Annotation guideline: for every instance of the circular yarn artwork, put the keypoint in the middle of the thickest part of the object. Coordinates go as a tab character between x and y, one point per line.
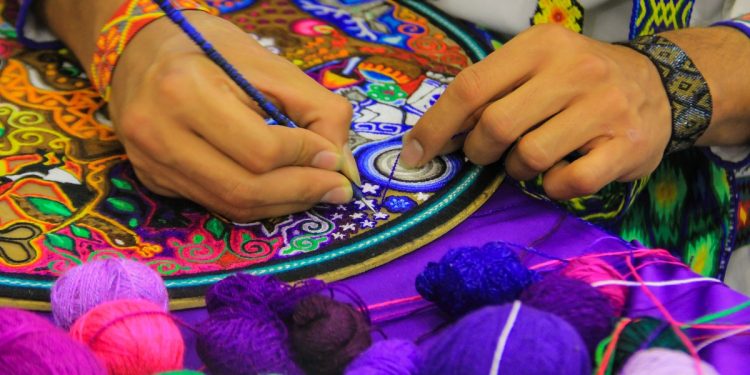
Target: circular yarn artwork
69	195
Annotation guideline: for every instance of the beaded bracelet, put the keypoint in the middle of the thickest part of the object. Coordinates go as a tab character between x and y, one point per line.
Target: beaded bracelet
127	21
686	89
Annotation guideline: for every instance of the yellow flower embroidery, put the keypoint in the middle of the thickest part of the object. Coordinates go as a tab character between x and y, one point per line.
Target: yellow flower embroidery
567	13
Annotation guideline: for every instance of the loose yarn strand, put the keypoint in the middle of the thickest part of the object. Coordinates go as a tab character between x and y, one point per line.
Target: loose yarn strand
503	339
607	359
675	326
723	336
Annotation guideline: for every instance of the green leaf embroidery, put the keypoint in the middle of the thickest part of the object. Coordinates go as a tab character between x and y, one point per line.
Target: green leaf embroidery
121	184
215	227
80	231
61	241
49	207
121	205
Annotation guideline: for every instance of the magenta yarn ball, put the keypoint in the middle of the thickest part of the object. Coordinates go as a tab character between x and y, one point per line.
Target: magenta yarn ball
592	270
661	361
85	286
30	344
131	337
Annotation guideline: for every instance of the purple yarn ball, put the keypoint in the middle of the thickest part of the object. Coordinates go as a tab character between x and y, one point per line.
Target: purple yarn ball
242	289
585	308
538	343
469	278
30	344
90	284
247	341
387	357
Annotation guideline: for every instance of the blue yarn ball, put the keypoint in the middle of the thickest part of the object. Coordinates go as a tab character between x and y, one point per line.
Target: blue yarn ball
387	357
469	278
538	343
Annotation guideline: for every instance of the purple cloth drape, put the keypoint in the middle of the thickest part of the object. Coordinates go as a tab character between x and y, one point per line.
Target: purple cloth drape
513	217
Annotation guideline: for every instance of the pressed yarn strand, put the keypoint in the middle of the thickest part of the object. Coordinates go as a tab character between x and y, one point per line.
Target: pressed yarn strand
503	339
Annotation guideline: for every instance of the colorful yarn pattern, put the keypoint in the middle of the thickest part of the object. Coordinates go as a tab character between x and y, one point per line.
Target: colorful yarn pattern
69	196
127	21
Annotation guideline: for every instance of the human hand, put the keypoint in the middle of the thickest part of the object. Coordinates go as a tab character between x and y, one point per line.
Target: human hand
190	132
550	92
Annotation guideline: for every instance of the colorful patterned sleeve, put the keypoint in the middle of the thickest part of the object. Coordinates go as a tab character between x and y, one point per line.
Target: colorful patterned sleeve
30	31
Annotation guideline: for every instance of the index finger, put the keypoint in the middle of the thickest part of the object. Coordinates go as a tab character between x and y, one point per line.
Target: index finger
472	89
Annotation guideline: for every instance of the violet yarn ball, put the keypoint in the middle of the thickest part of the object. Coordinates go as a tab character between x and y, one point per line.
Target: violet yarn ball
592	270
242	289
30	344
530	342
247	341
469	278
388	357
326	335
580	304
90	284
131	337
660	361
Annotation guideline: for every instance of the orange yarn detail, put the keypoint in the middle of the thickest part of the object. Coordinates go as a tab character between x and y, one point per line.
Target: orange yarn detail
127	21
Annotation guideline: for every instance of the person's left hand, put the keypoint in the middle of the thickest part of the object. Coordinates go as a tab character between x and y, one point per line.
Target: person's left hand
553	92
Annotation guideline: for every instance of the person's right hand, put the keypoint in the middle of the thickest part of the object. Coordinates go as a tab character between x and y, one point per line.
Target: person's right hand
190	132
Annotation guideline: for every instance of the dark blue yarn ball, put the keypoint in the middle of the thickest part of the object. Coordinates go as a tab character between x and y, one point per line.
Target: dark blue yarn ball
469	278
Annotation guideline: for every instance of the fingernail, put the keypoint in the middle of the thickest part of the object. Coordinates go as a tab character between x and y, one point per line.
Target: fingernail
350	168
327	160
411	154
339	195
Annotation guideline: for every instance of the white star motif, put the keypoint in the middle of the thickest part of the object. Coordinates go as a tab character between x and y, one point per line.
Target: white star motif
349	227
337	216
341	207
422	196
357	215
338	236
380	215
368	224
370	188
364	203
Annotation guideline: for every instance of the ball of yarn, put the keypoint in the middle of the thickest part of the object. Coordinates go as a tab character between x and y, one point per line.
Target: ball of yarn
660	361
240	289
247	341
30	344
387	357
468	278
83	287
593	269
534	343
327	334
644	333
131	337
181	372
580	304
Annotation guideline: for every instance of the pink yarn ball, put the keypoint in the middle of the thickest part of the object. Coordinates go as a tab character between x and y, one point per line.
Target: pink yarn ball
592	270
85	286
30	344
660	361
131	337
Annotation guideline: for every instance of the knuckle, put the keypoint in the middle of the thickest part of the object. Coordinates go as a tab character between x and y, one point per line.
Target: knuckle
172	84
593	66
583	182
496	124
533	154
466	86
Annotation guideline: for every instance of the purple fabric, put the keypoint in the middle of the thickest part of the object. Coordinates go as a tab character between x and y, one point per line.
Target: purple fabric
513	217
